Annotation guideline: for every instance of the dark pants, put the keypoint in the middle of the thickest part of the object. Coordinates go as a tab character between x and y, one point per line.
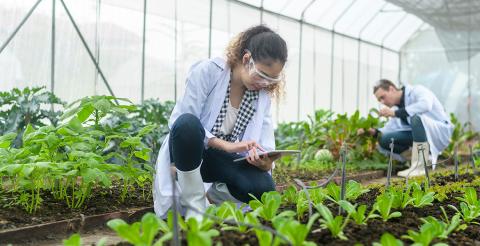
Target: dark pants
404	139
187	151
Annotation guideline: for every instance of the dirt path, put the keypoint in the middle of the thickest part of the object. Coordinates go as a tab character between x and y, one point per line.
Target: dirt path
90	238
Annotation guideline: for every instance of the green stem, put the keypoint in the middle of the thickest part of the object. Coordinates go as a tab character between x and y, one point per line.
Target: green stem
73	193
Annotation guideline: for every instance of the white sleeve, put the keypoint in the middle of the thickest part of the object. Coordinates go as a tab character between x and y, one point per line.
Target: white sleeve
267	137
423	101
198	86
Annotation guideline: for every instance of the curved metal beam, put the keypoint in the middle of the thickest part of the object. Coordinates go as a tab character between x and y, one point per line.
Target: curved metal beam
306	23
88	50
19	26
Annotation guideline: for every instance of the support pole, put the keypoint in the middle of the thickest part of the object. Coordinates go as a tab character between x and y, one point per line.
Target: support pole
142	96
88	49
333	51
19	26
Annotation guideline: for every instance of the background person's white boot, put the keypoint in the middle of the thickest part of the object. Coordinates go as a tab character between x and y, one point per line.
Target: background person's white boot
418	162
193	192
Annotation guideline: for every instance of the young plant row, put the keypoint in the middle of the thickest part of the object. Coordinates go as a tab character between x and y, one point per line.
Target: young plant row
72	158
296	228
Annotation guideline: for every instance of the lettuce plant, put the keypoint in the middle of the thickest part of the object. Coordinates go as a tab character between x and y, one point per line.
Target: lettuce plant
358	214
267	207
334	224
353	190
388	239
384	207
420	197
469	206
142	233
293	230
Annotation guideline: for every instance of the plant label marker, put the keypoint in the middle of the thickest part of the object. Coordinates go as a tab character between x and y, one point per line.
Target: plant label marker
421	148
343	181
455	161
390	163
300	147
176	234
472	160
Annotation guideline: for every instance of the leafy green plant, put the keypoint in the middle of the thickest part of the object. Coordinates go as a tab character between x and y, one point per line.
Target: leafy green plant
328	131
461	133
149	112
430	229
268	206
21	108
141	233
229	210
469	206
302	204
384	205
441	228
293	230
289	195
421	198
358	214
388	239
334	224
353	190
401	198
200	232
73	240
433	228
68	160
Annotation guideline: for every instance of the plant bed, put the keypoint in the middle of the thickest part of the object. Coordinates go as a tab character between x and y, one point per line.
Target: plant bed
60	229
309	178
12	214
408	212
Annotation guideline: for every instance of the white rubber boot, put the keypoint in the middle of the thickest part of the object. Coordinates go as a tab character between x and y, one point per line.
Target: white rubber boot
193	193
418	162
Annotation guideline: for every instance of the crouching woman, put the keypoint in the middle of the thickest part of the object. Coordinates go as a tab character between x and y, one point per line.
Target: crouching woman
223	115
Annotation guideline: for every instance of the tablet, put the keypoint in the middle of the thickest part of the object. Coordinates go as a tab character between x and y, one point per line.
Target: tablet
272	153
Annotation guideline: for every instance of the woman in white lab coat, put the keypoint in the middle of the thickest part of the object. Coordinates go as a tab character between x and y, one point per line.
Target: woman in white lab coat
417	119
224	114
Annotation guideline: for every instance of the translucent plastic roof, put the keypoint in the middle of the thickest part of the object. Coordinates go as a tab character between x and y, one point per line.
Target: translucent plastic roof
455	23
375	21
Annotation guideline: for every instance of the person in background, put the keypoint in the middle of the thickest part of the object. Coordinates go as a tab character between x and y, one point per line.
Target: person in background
416	119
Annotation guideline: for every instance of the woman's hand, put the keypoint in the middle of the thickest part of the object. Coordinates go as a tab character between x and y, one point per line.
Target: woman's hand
240	147
265	162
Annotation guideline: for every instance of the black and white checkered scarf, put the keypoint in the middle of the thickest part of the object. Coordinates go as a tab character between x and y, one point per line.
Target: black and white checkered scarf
245	114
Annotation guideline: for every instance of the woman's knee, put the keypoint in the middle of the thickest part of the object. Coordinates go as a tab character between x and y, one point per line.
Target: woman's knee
189	126
259	186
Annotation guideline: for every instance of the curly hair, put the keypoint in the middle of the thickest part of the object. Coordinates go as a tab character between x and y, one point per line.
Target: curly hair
264	44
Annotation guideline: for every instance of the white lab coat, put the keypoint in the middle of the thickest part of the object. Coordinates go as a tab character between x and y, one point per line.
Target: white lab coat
205	91
422	102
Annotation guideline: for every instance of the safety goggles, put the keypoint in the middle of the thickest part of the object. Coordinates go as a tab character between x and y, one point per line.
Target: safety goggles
265	78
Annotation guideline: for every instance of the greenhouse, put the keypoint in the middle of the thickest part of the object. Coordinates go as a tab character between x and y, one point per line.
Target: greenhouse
239	122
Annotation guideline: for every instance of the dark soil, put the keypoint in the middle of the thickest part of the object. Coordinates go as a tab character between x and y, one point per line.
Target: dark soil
284	177
372	232
109	201
50	210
